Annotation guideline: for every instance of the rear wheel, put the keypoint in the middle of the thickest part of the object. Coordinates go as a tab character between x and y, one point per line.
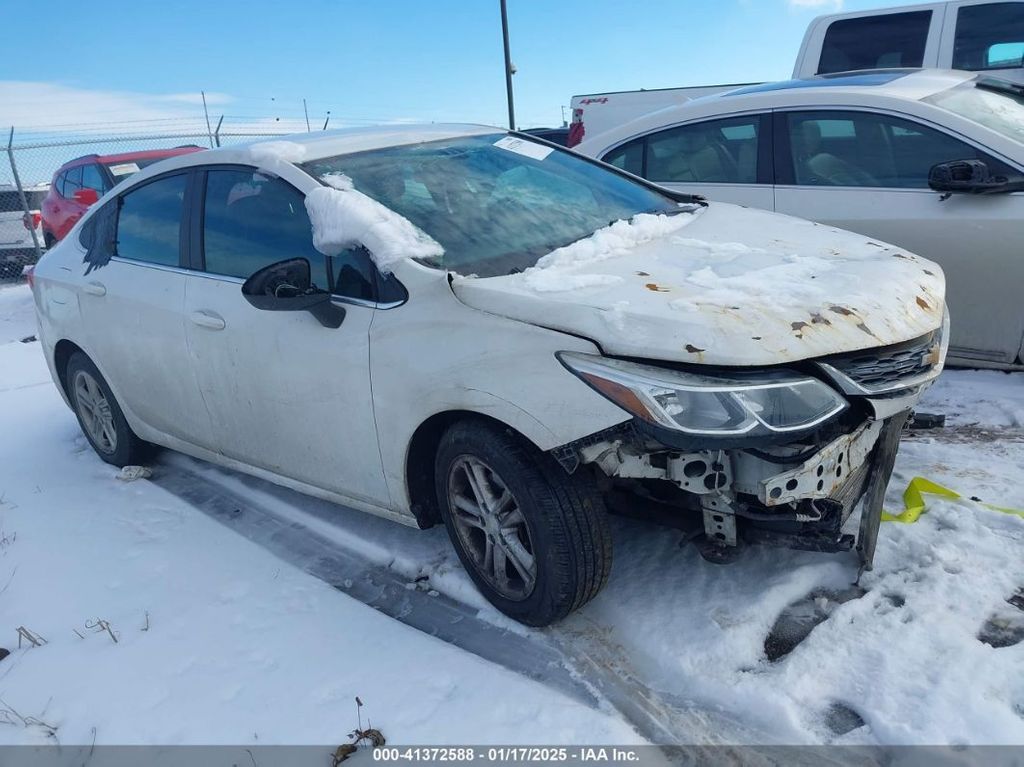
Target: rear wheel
534	539
100	416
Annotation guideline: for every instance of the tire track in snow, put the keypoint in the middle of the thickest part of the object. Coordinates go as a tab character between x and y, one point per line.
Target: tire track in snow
577	662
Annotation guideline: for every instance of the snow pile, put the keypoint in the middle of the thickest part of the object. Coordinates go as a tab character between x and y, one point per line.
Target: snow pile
559	269
270	152
343	217
17	313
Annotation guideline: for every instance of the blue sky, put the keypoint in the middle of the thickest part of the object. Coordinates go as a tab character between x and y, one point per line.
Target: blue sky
106	61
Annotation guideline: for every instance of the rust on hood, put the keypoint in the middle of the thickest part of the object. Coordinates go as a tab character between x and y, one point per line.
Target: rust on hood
654	287
923	304
841	310
818	319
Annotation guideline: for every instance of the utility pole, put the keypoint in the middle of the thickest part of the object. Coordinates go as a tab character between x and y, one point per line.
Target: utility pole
304	109
207	113
509	69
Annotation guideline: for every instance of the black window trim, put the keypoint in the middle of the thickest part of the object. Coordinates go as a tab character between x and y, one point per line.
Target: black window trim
785	174
765	172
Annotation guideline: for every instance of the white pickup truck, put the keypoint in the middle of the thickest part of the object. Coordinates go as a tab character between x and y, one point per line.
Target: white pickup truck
974	35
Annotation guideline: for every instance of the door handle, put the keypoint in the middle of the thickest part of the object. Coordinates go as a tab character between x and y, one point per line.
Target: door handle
95	288
208	320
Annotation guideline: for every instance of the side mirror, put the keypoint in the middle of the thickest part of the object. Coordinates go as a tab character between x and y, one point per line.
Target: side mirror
965	176
86	196
288	287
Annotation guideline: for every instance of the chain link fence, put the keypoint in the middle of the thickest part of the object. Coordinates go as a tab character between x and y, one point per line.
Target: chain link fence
29	171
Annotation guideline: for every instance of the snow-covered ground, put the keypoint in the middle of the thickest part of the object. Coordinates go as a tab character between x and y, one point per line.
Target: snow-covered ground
243	646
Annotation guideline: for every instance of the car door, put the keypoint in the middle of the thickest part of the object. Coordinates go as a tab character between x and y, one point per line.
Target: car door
132	297
868	172
726	159
285	394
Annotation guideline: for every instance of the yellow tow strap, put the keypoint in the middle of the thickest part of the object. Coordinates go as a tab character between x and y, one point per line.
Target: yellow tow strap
914	505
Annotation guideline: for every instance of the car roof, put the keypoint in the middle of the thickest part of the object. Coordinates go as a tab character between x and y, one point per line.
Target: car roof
838	80
905	83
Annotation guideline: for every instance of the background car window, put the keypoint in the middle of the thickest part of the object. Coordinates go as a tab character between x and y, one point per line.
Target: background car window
863	149
149	222
72	182
93	179
58	183
886	41
719	151
251	221
629	157
989	36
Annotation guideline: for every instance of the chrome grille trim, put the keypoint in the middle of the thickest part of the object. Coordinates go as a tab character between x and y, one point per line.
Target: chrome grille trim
887	369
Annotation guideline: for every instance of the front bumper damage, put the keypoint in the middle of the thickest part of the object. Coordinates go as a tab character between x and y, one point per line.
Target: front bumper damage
793	496
800	492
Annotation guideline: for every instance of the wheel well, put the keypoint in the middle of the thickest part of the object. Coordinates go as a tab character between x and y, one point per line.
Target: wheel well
61	354
419	462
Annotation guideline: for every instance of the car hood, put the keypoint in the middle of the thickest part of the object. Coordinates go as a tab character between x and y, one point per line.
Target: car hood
722	285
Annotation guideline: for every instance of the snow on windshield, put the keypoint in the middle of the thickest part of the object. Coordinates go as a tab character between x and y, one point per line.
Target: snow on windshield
343	218
559	270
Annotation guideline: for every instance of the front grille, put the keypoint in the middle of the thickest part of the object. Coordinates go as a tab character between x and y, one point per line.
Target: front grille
889	367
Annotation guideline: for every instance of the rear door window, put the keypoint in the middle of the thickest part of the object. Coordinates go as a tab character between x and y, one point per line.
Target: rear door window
989	36
251	221
717	151
886	41
149	221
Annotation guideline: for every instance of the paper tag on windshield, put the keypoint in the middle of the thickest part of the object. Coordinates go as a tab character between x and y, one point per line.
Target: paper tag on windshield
523	147
123	169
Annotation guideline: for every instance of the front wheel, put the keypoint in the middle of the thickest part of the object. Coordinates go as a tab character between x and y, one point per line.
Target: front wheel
534	539
100	416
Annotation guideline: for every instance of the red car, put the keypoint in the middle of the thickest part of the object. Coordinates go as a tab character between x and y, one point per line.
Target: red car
79	183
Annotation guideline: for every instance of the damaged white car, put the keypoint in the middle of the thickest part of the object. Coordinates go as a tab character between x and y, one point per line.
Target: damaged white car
456	324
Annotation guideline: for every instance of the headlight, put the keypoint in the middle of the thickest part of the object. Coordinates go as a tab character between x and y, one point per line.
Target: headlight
765	403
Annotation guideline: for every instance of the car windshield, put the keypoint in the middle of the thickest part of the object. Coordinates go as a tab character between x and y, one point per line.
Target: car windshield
992	103
495	203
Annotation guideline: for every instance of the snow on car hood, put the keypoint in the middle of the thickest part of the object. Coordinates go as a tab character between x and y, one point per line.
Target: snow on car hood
726	286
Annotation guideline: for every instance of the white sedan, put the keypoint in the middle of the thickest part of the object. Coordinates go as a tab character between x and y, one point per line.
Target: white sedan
932	161
454	324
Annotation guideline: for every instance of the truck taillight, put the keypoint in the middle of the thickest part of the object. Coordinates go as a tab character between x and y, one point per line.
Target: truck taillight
31	220
576	129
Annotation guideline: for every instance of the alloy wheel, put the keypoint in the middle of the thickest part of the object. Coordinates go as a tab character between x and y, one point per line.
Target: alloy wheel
491	527
94	410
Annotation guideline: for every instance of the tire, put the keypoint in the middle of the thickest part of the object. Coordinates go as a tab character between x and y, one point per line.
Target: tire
108	431
557	519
